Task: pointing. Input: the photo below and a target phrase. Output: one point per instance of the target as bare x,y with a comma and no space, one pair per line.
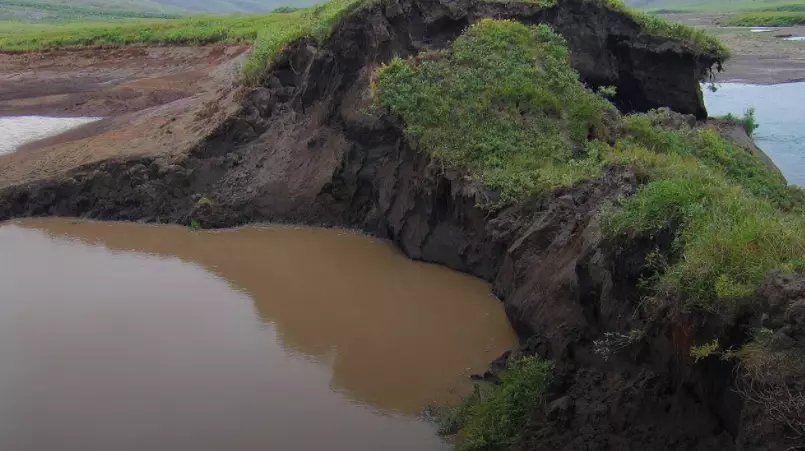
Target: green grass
492,420
195,30
50,10
316,22
39,11
735,220
504,104
767,19
710,6
747,121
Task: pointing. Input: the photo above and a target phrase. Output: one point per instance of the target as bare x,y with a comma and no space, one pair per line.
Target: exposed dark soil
305,148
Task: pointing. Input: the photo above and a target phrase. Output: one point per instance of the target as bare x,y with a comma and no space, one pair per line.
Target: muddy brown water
131,337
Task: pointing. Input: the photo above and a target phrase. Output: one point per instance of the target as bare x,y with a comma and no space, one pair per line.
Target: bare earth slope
155,101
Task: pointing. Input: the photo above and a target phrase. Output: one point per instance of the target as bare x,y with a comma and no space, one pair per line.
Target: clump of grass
767,19
706,350
493,420
747,121
652,24
708,147
503,103
733,223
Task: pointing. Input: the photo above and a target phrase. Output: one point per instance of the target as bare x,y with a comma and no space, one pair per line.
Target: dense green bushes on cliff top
520,126
505,106
272,32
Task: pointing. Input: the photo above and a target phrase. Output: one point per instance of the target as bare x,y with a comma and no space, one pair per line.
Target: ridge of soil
305,147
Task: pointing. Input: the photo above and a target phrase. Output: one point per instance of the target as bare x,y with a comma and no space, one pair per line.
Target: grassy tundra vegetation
505,106
54,10
770,17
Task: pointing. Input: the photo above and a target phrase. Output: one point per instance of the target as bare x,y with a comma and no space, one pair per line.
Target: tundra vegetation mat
477,107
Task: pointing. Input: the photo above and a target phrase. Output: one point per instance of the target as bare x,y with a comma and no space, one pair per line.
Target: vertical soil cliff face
307,147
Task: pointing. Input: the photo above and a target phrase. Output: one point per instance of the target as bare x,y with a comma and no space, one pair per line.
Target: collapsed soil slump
306,147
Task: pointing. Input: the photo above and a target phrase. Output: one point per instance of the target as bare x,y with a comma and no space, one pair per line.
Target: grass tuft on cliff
503,103
734,219
492,420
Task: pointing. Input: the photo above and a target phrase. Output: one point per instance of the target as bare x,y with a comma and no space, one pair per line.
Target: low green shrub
503,103
492,420
727,237
747,121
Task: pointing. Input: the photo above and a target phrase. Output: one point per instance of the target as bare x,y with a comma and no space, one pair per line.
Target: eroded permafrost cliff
309,146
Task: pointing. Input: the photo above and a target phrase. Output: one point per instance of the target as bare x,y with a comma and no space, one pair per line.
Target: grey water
780,112
18,130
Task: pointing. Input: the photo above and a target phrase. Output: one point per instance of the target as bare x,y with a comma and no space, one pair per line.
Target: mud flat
757,57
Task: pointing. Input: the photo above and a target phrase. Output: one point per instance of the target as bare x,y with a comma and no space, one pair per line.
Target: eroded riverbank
249,339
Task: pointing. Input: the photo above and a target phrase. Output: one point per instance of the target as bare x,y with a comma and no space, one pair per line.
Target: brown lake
121,337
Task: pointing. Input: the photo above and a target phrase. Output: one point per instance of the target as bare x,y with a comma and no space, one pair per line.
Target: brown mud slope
154,101
306,148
